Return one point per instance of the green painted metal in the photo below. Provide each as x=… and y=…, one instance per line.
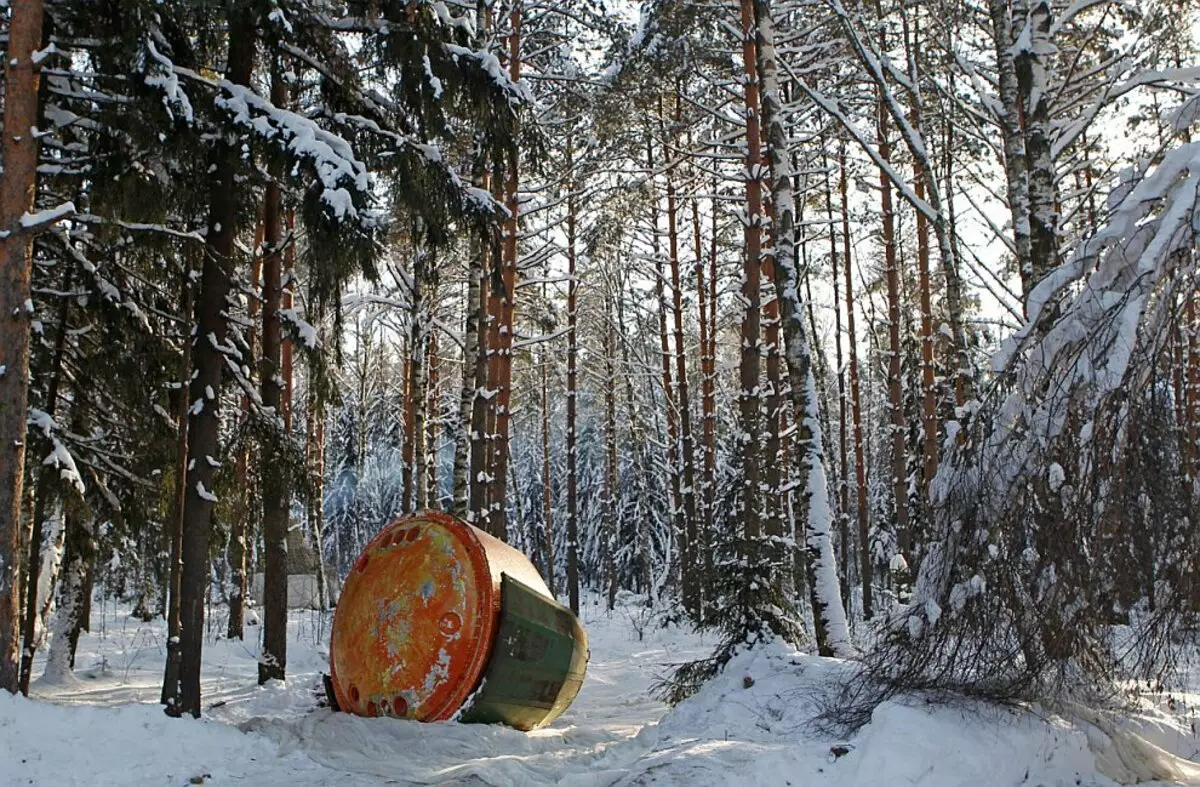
x=538, y=661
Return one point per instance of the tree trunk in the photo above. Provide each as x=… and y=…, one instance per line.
x=898, y=424
x=208, y=362
x=43, y=498
x=637, y=447
x=929, y=411
x=73, y=589
x=241, y=534
x=860, y=468
x=748, y=368
x=286, y=361
x=678, y=528
x=1016, y=167
x=708, y=417
x=843, y=485
x=414, y=399
x=572, y=391
x=466, y=438
x=611, y=504
x=272, y=663
x=1035, y=104
x=547, y=487
x=831, y=629
x=316, y=505
x=170, y=687
x=504, y=291
x=773, y=455
x=433, y=366
x=688, y=576
x=17, y=190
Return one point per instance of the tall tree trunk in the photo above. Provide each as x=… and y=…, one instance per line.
x=748, y=368
x=572, y=394
x=773, y=454
x=1034, y=106
x=708, y=417
x=170, y=687
x=414, y=399
x=17, y=190
x=208, y=362
x=465, y=437
x=272, y=663
x=1016, y=168
x=929, y=411
x=433, y=366
x=706, y=547
x=504, y=290
x=678, y=528
x=843, y=486
x=315, y=451
x=611, y=502
x=481, y=427
x=43, y=497
x=286, y=360
x=688, y=577
x=73, y=590
x=860, y=466
x=637, y=447
x=898, y=425
x=242, y=532
x=831, y=628
x=1192, y=395
x=547, y=487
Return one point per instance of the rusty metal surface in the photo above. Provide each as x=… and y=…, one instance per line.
x=435, y=614
x=415, y=622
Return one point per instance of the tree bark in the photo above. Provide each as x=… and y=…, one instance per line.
x=611, y=519
x=286, y=360
x=1016, y=167
x=637, y=447
x=433, y=367
x=860, y=469
x=708, y=417
x=415, y=394
x=1034, y=101
x=170, y=687
x=748, y=396
x=504, y=291
x=466, y=437
x=43, y=499
x=241, y=533
x=272, y=662
x=688, y=576
x=547, y=487
x=843, y=485
x=831, y=629
x=17, y=190
x=675, y=501
x=73, y=591
x=572, y=394
x=898, y=425
x=208, y=362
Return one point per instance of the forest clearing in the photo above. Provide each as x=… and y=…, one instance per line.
x=103, y=728
x=820, y=377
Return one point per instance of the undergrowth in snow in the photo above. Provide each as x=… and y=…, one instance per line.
x=752, y=725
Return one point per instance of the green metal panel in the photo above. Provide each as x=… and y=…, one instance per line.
x=538, y=662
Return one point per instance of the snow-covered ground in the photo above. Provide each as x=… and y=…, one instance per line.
x=751, y=726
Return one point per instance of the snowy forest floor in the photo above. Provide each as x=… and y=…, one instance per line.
x=750, y=726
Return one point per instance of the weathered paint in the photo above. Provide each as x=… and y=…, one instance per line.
x=436, y=615
x=415, y=621
x=538, y=662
